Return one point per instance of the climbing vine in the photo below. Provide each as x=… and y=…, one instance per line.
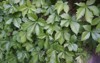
x=49, y=31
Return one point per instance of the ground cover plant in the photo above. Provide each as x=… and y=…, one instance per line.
x=49, y=31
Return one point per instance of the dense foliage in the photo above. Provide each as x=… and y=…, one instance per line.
x=48, y=31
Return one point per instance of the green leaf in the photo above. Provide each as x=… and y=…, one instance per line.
x=66, y=7
x=28, y=46
x=73, y=38
x=72, y=47
x=90, y=2
x=66, y=36
x=98, y=26
x=37, y=30
x=88, y=16
x=79, y=59
x=64, y=23
x=85, y=35
x=41, y=22
x=98, y=48
x=32, y=16
x=95, y=21
x=95, y=10
x=75, y=27
x=9, y=21
x=95, y=35
x=16, y=1
x=53, y=57
x=22, y=36
x=35, y=57
x=17, y=22
x=87, y=27
x=51, y=18
x=80, y=4
x=80, y=12
x=65, y=16
x=30, y=30
x=58, y=35
x=61, y=40
x=26, y=25
x=59, y=6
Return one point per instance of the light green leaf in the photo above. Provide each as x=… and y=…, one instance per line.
x=80, y=12
x=53, y=57
x=17, y=22
x=35, y=57
x=64, y=23
x=90, y=2
x=37, y=30
x=88, y=16
x=59, y=6
x=98, y=26
x=98, y=48
x=16, y=1
x=32, y=16
x=75, y=27
x=95, y=10
x=41, y=22
x=58, y=35
x=80, y=4
x=65, y=16
x=66, y=7
x=29, y=32
x=95, y=21
x=66, y=36
x=51, y=18
x=9, y=21
x=28, y=46
x=26, y=25
x=61, y=40
x=87, y=27
x=72, y=47
x=95, y=35
x=79, y=59
x=85, y=35
x=22, y=36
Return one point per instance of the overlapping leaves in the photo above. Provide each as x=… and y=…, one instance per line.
x=38, y=32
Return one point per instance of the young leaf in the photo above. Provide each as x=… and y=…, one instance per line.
x=95, y=10
x=58, y=35
x=80, y=12
x=80, y=4
x=75, y=27
x=85, y=35
x=66, y=7
x=51, y=18
x=95, y=35
x=72, y=47
x=9, y=21
x=64, y=23
x=65, y=16
x=87, y=27
x=90, y=2
x=98, y=26
x=37, y=30
x=32, y=16
x=59, y=6
x=17, y=22
x=95, y=21
x=22, y=36
x=88, y=16
x=53, y=57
